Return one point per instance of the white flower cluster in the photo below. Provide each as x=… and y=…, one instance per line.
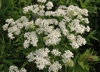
x=53, y=38
x=15, y=69
x=65, y=22
x=42, y=1
x=45, y=25
x=67, y=56
x=56, y=52
x=15, y=27
x=62, y=26
x=72, y=24
x=42, y=59
x=36, y=9
x=76, y=41
x=49, y=5
x=31, y=38
x=55, y=67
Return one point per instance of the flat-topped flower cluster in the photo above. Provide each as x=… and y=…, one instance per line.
x=64, y=23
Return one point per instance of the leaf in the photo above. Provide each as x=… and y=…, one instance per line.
x=80, y=69
x=95, y=38
x=83, y=57
x=87, y=2
x=91, y=35
x=15, y=60
x=95, y=58
x=2, y=46
x=92, y=9
x=7, y=62
x=81, y=3
x=81, y=64
x=23, y=1
x=25, y=63
x=82, y=60
x=1, y=66
x=0, y=3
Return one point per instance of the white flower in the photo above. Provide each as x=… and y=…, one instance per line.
x=24, y=19
x=74, y=44
x=56, y=52
x=13, y=69
x=62, y=7
x=41, y=12
x=55, y=67
x=87, y=28
x=20, y=25
x=29, y=25
x=49, y=13
x=9, y=20
x=36, y=9
x=60, y=12
x=39, y=30
x=42, y=1
x=42, y=62
x=22, y=70
x=76, y=41
x=71, y=11
x=80, y=41
x=66, y=19
x=79, y=17
x=76, y=26
x=14, y=29
x=17, y=32
x=26, y=9
x=10, y=35
x=45, y=25
x=49, y=5
x=71, y=37
x=31, y=38
x=67, y=55
x=41, y=7
x=5, y=27
x=53, y=38
x=80, y=29
x=40, y=57
x=43, y=52
x=30, y=57
x=63, y=28
x=86, y=20
x=85, y=12
x=26, y=44
x=69, y=62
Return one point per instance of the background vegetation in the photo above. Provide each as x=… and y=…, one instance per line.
x=13, y=9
